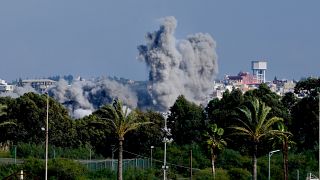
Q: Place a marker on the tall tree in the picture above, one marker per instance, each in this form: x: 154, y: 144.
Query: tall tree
x: 284, y: 139
x: 216, y: 143
x: 305, y: 114
x: 255, y: 126
x: 186, y: 121
x: 121, y: 120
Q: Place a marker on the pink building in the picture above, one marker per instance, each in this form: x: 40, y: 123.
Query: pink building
x: 242, y: 78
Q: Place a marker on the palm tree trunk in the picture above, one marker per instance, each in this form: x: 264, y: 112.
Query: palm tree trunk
x: 120, y: 158
x: 212, y: 164
x: 254, y: 161
x: 285, y: 159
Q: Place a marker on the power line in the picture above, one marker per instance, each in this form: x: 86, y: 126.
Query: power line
x: 176, y: 165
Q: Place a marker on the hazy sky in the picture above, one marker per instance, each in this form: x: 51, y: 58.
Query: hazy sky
x: 92, y: 38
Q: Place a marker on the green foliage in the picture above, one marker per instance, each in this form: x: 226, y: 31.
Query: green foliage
x: 206, y: 174
x: 308, y: 86
x: 239, y: 174
x: 139, y: 174
x: 66, y: 169
x: 141, y: 140
x: 305, y: 162
x: 230, y: 158
x: 102, y: 174
x: 186, y: 121
x: 304, y: 125
x: 4, y: 154
x: 255, y: 127
x: 29, y: 113
x: 25, y: 150
x: 57, y: 168
x: 6, y: 170
x: 34, y: 167
x: 220, y: 111
x: 180, y: 155
x: 121, y: 121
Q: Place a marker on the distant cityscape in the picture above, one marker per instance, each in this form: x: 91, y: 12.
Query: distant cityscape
x: 243, y: 81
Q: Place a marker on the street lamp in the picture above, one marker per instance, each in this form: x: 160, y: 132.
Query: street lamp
x: 47, y: 127
x: 270, y: 154
x: 151, y: 155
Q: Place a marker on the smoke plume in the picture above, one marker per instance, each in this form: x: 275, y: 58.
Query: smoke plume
x: 178, y: 67
x: 83, y: 97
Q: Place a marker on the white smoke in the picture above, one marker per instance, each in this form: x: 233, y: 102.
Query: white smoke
x: 80, y: 113
x: 176, y: 67
x: 186, y: 67
x: 83, y: 97
x: 18, y: 91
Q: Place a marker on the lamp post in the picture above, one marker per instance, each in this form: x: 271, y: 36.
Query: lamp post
x: 151, y: 155
x: 270, y: 154
x: 47, y: 127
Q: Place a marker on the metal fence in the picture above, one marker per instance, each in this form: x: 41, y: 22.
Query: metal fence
x: 96, y: 165
x: 112, y: 164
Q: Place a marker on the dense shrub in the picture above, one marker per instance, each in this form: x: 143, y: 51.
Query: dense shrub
x: 239, y: 174
x: 139, y: 174
x: 102, y: 174
x: 6, y: 170
x: 26, y: 150
x: 57, y: 169
x: 230, y: 158
x: 206, y: 174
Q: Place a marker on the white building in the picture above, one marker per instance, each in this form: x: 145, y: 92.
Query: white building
x: 39, y: 85
x: 5, y: 87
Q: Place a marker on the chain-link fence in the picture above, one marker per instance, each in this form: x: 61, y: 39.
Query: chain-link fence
x: 113, y: 164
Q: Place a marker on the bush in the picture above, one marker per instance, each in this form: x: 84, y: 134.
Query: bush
x: 57, y: 168
x: 139, y: 174
x: 25, y: 150
x: 66, y: 169
x: 4, y: 154
x: 206, y: 174
x: 7, y: 170
x: 102, y: 174
x: 239, y: 174
x: 230, y: 158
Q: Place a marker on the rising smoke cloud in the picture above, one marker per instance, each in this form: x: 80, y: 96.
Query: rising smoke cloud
x: 178, y: 67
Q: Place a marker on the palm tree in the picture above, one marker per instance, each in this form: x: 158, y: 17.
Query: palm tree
x: 254, y: 125
x: 120, y: 121
x: 215, y: 142
x: 283, y: 138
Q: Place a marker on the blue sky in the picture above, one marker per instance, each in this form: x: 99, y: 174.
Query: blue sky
x: 92, y: 38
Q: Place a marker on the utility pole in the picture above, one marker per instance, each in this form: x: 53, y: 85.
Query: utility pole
x: 191, y: 164
x: 165, y: 150
x: 167, y: 134
x: 47, y: 137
